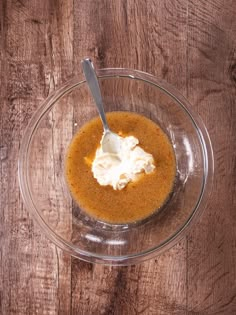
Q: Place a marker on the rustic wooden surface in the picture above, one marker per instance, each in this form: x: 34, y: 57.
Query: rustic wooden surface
x: 192, y: 45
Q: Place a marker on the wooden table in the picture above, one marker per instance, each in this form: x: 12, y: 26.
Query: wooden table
x: 192, y: 45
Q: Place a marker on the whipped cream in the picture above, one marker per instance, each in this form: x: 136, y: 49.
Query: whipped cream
x: 118, y: 169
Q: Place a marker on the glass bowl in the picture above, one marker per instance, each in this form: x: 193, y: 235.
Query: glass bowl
x: 41, y: 168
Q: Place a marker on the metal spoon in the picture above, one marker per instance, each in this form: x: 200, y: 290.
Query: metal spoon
x: 110, y: 140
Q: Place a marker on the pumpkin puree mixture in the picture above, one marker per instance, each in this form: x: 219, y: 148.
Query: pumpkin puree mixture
x: 139, y: 199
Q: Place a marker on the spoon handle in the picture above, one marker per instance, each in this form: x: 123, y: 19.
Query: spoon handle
x: 92, y: 80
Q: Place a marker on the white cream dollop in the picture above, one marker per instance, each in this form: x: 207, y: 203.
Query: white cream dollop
x: 118, y: 169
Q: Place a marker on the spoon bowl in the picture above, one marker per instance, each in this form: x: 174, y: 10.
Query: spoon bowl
x: 110, y: 142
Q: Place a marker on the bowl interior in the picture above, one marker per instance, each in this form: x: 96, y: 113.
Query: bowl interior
x: 42, y: 170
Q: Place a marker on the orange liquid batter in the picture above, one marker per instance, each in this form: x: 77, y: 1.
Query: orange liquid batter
x: 138, y: 199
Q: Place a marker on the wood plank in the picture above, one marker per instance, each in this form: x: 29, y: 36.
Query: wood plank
x: 154, y: 287
x: 36, y: 55
x: 192, y: 46
x: 137, y: 35
x: 211, y: 89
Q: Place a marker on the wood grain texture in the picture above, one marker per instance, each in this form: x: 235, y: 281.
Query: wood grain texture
x: 211, y: 90
x: 35, y: 275
x: 192, y: 45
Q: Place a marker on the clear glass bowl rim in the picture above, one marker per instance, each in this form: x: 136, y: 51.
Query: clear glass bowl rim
x: 179, y: 234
